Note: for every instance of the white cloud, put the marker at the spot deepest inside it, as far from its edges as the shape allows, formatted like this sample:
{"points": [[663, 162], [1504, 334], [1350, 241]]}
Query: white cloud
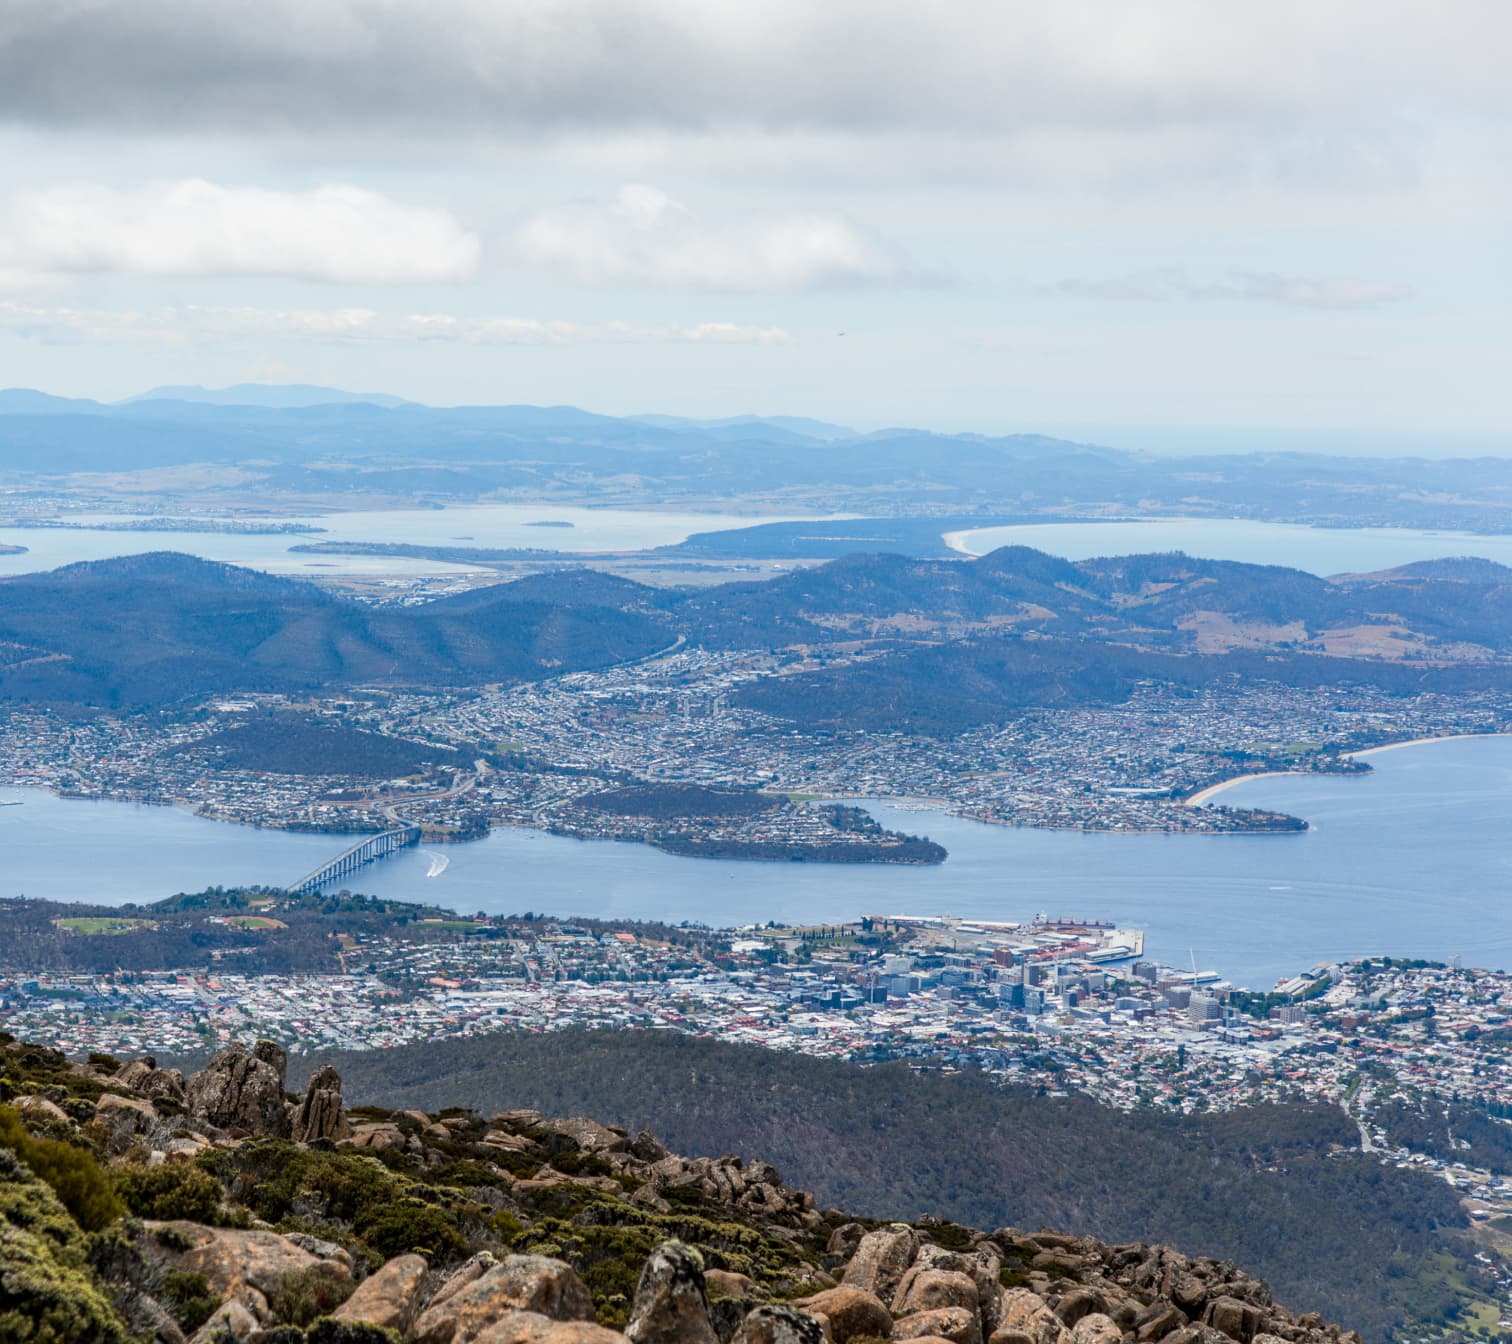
{"points": [[644, 237], [339, 234], [178, 326], [1295, 291], [1282, 86]]}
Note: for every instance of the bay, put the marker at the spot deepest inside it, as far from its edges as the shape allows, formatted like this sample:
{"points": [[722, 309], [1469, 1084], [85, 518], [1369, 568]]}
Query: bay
{"points": [[1318, 550], [493, 526], [1413, 860]]}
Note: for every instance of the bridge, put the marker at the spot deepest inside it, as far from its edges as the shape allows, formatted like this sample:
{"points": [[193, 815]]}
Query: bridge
{"points": [[350, 860]]}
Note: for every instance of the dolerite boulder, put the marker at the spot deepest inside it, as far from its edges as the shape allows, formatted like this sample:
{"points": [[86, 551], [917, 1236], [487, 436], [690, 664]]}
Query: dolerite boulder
{"points": [[851, 1312], [778, 1325], [243, 1090], [670, 1305], [389, 1296], [145, 1078], [881, 1260], [319, 1115], [123, 1121], [522, 1283]]}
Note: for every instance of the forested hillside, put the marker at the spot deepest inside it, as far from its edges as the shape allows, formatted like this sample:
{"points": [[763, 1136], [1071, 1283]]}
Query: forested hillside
{"points": [[1284, 1189], [963, 641]]}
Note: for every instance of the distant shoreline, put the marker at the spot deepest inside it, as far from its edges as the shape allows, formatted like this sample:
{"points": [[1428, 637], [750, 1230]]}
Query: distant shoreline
{"points": [[1213, 790]]}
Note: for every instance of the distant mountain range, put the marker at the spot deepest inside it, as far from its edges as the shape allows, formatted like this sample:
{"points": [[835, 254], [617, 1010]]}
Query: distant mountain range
{"points": [[281, 395], [959, 642], [326, 442]]}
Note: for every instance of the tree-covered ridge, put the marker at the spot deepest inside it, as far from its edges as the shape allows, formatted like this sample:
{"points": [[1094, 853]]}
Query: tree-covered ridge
{"points": [[154, 630], [301, 744], [246, 931], [150, 630], [1284, 1190]]}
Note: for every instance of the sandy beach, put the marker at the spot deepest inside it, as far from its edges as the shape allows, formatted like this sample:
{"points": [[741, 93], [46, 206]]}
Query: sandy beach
{"points": [[1202, 796], [1199, 798]]}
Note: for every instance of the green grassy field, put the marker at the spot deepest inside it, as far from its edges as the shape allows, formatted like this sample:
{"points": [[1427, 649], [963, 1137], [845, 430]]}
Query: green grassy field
{"points": [[98, 924]]}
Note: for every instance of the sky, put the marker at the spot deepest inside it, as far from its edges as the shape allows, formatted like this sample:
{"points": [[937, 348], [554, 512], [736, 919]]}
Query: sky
{"points": [[1170, 220]]}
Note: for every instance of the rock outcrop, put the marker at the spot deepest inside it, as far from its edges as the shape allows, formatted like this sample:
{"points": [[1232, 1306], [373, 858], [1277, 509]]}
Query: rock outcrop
{"points": [[670, 1306], [319, 1115], [388, 1298], [242, 1091]]}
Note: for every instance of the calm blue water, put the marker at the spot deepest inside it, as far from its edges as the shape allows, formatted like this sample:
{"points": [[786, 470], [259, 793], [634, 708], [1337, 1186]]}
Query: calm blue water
{"points": [[1319, 550], [488, 525], [1413, 860]]}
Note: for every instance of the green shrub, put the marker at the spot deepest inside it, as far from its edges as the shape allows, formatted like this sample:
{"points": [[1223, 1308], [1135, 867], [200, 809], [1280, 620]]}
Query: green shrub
{"points": [[74, 1175], [46, 1293], [170, 1191], [305, 1295], [170, 1238], [188, 1297], [413, 1225]]}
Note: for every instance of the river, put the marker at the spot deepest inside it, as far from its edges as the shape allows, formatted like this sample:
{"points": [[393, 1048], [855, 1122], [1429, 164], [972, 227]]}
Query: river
{"points": [[1414, 859]]}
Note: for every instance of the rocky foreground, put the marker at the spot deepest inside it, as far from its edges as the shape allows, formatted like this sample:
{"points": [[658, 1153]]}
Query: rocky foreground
{"points": [[136, 1204]]}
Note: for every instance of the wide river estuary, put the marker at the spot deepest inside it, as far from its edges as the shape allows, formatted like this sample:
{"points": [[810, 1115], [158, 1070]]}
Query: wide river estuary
{"points": [[1414, 859]]}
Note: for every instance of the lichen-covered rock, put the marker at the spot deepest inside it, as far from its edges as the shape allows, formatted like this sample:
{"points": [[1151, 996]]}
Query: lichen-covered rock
{"points": [[1080, 1302], [242, 1090], [319, 1115], [378, 1135], [670, 1306], [40, 1111], [881, 1260], [850, 1312], [1238, 1320], [232, 1259], [587, 1135], [1024, 1311], [928, 1289], [144, 1077], [1157, 1321], [522, 1283], [647, 1147], [1096, 1328], [528, 1327], [844, 1240], [231, 1321], [390, 1296], [1197, 1334], [122, 1121], [953, 1323], [769, 1324], [727, 1283]]}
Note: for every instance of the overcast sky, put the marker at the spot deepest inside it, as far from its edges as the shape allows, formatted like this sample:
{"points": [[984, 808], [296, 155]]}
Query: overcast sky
{"points": [[980, 216]]}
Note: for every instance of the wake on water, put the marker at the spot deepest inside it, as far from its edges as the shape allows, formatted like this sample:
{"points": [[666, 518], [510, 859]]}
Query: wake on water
{"points": [[438, 863]]}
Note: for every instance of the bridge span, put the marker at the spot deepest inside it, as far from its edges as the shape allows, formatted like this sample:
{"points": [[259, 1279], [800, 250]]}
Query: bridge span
{"points": [[350, 860]]}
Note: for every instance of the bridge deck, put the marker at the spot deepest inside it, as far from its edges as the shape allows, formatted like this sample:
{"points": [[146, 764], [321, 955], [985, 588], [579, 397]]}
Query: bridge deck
{"points": [[364, 851]]}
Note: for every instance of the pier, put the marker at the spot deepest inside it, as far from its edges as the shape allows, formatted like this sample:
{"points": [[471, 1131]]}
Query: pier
{"points": [[350, 860]]}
